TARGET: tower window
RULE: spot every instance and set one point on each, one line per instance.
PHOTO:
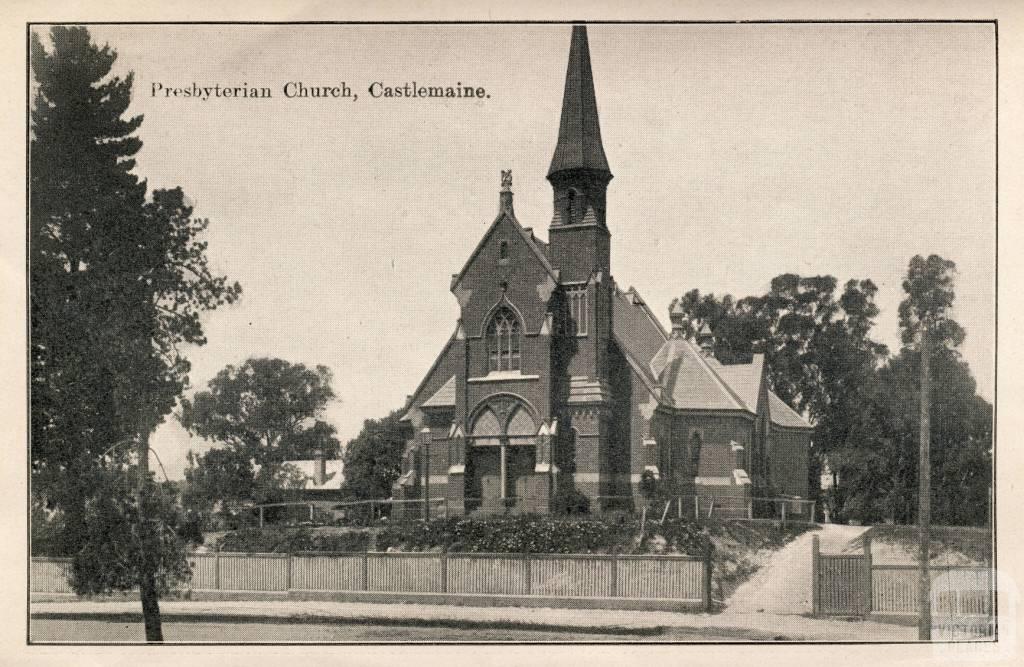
(579, 311)
(503, 341)
(503, 251)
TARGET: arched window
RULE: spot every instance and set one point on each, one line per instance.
(503, 334)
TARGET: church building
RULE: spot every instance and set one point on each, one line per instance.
(558, 390)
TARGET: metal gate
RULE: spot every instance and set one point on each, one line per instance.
(842, 584)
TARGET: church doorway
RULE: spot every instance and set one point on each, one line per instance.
(502, 458)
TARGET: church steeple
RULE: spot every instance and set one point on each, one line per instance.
(579, 174)
(579, 133)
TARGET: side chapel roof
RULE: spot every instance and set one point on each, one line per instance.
(681, 376)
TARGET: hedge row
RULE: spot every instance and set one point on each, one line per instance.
(537, 534)
(291, 540)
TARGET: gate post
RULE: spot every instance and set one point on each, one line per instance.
(815, 575)
(868, 593)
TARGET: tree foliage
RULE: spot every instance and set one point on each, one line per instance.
(262, 413)
(864, 404)
(117, 284)
(373, 459)
(818, 351)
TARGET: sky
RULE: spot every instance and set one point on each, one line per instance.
(740, 152)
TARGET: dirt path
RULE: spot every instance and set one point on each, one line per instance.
(783, 586)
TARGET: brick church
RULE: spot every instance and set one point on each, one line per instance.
(558, 390)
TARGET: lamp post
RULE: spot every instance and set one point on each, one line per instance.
(426, 439)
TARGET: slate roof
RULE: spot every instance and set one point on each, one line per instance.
(783, 415)
(637, 332)
(426, 378)
(443, 397)
(743, 379)
(333, 470)
(689, 381)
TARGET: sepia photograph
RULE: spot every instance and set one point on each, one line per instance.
(569, 332)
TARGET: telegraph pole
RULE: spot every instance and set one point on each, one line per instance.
(924, 510)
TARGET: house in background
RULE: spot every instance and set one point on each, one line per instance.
(558, 390)
(316, 498)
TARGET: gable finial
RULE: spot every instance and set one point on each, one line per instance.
(505, 197)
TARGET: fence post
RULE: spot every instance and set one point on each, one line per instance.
(216, 570)
(708, 570)
(815, 574)
(288, 587)
(615, 576)
(750, 508)
(366, 571)
(783, 503)
(868, 593)
(696, 507)
(529, 574)
(444, 571)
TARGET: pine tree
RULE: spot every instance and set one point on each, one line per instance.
(116, 285)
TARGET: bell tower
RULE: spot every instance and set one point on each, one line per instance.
(579, 175)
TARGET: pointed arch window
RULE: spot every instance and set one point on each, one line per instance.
(504, 335)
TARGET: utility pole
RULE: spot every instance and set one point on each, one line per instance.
(426, 472)
(924, 510)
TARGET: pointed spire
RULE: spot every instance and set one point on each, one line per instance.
(579, 133)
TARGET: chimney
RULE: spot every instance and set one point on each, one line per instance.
(505, 198)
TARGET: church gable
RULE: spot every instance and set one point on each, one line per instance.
(507, 269)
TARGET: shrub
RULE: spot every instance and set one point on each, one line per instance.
(538, 534)
(284, 540)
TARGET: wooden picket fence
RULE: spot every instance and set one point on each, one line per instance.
(851, 585)
(653, 577)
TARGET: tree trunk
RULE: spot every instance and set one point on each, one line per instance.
(924, 626)
(148, 594)
(150, 607)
